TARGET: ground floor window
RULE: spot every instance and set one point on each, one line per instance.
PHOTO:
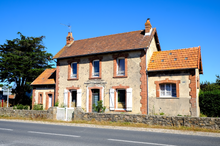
(168, 90)
(74, 99)
(121, 98)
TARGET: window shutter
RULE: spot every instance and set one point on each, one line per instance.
(79, 97)
(129, 99)
(65, 97)
(112, 98)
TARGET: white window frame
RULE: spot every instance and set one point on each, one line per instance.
(120, 74)
(165, 91)
(93, 68)
(73, 75)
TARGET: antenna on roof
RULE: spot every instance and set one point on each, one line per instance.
(67, 26)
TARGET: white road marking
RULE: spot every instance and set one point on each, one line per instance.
(139, 142)
(52, 134)
(6, 129)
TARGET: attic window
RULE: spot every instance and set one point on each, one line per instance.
(162, 60)
(186, 58)
(175, 59)
(170, 53)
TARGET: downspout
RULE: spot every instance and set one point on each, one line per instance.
(147, 81)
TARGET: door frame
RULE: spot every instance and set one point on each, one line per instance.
(47, 99)
(89, 99)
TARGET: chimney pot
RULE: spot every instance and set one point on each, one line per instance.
(148, 27)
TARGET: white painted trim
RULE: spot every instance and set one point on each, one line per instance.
(149, 33)
(93, 67)
(117, 66)
(87, 99)
(103, 103)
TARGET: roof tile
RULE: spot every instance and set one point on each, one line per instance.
(192, 54)
(110, 43)
(44, 78)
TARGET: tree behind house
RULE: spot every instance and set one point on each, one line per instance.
(22, 60)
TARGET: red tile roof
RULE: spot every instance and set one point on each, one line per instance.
(44, 78)
(110, 43)
(176, 59)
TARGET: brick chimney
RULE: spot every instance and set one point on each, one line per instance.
(69, 38)
(148, 27)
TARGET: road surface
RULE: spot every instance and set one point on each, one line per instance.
(32, 134)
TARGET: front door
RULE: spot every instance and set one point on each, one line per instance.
(95, 98)
(50, 100)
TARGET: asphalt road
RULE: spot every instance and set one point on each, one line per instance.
(22, 134)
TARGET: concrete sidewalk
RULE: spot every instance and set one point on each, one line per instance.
(195, 133)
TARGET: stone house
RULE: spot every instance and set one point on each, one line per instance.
(129, 73)
(44, 88)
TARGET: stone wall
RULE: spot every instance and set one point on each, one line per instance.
(209, 123)
(33, 114)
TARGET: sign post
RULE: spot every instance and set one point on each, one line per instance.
(2, 102)
(8, 97)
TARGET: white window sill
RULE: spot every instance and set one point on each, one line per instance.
(166, 97)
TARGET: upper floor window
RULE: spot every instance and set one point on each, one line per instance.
(121, 66)
(95, 67)
(167, 90)
(74, 70)
(95, 71)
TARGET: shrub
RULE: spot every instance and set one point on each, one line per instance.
(20, 107)
(38, 107)
(162, 113)
(209, 102)
(99, 108)
(56, 104)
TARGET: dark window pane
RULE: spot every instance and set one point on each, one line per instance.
(174, 90)
(74, 69)
(96, 68)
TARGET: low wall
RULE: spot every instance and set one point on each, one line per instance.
(209, 123)
(33, 114)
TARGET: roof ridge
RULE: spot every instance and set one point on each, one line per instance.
(108, 35)
(180, 49)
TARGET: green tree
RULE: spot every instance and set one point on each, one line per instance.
(218, 79)
(22, 60)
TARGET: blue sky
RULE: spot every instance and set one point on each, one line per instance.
(180, 24)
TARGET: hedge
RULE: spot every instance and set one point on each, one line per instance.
(209, 102)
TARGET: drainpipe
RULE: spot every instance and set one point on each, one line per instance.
(147, 81)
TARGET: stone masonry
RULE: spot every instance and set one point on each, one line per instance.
(208, 123)
(33, 114)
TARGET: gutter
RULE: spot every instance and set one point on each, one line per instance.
(170, 69)
(99, 53)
